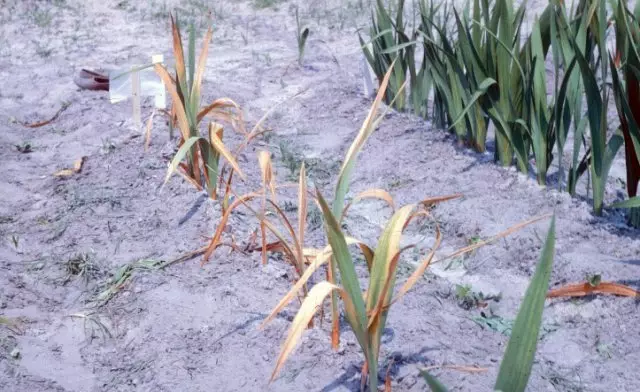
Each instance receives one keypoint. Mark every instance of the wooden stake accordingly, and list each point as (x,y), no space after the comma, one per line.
(135,94)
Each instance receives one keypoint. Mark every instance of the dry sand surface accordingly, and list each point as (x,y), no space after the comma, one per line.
(193,328)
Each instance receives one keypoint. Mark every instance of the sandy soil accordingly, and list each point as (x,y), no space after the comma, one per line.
(188,328)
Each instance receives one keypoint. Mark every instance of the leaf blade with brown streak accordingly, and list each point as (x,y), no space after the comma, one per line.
(181,115)
(320,259)
(180,155)
(517,362)
(385,256)
(342,187)
(379,194)
(216,107)
(215,240)
(310,305)
(266,168)
(302,212)
(77,168)
(147,133)
(357,317)
(585,289)
(368,126)
(417,274)
(216,143)
(199,71)
(178,53)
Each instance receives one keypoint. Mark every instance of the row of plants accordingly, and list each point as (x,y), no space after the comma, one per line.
(366,309)
(209,165)
(479,70)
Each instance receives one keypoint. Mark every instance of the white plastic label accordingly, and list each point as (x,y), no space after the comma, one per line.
(161,97)
(120,86)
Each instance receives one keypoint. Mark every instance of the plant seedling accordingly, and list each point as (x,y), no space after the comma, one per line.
(494,322)
(80,266)
(367,312)
(24,148)
(468,299)
(289,158)
(93,325)
(302,34)
(15,240)
(202,154)
(517,362)
(594,279)
(11,324)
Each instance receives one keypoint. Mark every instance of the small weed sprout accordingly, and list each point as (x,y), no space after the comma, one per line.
(261,4)
(302,34)
(80,266)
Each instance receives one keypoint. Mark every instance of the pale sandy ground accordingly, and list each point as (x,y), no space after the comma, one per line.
(195,329)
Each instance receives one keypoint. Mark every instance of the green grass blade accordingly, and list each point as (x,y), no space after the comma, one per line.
(432,382)
(482,89)
(476,33)
(368,54)
(343,258)
(597,125)
(509,52)
(515,368)
(383,274)
(349,279)
(211,158)
(368,126)
(397,48)
(180,155)
(615,142)
(562,107)
(574,170)
(191,58)
(513,139)
(634,202)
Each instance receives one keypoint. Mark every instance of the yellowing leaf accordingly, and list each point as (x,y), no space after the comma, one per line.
(181,115)
(219,146)
(321,257)
(308,309)
(367,128)
(428,202)
(202,63)
(266,167)
(77,168)
(319,260)
(215,240)
(217,108)
(302,212)
(417,274)
(496,237)
(178,53)
(584,289)
(283,241)
(383,274)
(370,194)
(180,155)
(147,133)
